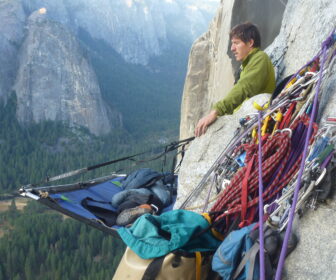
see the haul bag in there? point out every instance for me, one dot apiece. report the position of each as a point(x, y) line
point(178, 265)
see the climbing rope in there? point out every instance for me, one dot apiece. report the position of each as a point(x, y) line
point(271, 166)
point(302, 165)
point(261, 202)
point(277, 154)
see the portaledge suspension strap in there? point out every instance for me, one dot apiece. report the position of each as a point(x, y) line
point(168, 148)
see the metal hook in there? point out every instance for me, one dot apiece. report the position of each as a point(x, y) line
point(320, 178)
point(287, 130)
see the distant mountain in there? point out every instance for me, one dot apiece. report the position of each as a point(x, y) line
point(11, 35)
point(62, 85)
point(104, 65)
point(135, 29)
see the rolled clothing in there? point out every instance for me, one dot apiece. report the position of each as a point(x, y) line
point(120, 197)
point(159, 195)
point(162, 192)
point(170, 180)
point(135, 200)
point(141, 178)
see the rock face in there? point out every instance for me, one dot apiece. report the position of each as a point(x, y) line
point(203, 151)
point(56, 82)
point(136, 29)
point(203, 85)
point(315, 256)
point(304, 26)
point(211, 70)
point(298, 42)
point(11, 35)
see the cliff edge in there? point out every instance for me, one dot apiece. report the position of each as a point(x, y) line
point(301, 30)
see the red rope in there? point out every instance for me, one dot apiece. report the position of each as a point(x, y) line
point(273, 151)
point(244, 192)
point(287, 117)
point(275, 155)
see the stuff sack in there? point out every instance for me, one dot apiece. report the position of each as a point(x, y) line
point(179, 265)
point(230, 253)
point(237, 258)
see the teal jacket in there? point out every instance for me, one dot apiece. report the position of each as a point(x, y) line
point(184, 228)
point(257, 76)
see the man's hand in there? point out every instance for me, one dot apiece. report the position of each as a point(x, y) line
point(204, 122)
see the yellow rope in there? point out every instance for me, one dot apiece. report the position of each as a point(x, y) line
point(198, 265)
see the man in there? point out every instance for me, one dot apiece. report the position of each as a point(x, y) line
point(257, 75)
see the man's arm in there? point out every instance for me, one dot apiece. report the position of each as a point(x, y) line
point(204, 122)
point(252, 81)
point(250, 84)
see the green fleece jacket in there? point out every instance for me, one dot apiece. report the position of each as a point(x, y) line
point(257, 76)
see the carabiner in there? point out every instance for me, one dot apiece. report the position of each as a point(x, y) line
point(320, 178)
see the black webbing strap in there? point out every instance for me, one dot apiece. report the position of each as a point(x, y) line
point(108, 216)
point(165, 234)
point(250, 257)
point(164, 158)
point(114, 161)
point(280, 87)
point(83, 170)
point(168, 148)
point(182, 152)
point(153, 269)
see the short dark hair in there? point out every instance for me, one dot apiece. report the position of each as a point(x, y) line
point(245, 32)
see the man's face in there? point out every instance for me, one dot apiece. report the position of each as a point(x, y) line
point(241, 49)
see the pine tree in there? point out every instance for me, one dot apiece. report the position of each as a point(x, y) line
point(2, 273)
point(28, 271)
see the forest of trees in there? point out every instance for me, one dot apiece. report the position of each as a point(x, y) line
point(37, 243)
point(40, 244)
point(28, 155)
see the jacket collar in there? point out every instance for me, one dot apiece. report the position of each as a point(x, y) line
point(248, 57)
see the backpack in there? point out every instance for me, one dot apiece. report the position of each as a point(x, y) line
point(237, 258)
point(230, 254)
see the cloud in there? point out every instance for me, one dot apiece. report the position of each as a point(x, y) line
point(193, 8)
point(129, 3)
point(42, 11)
point(146, 11)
